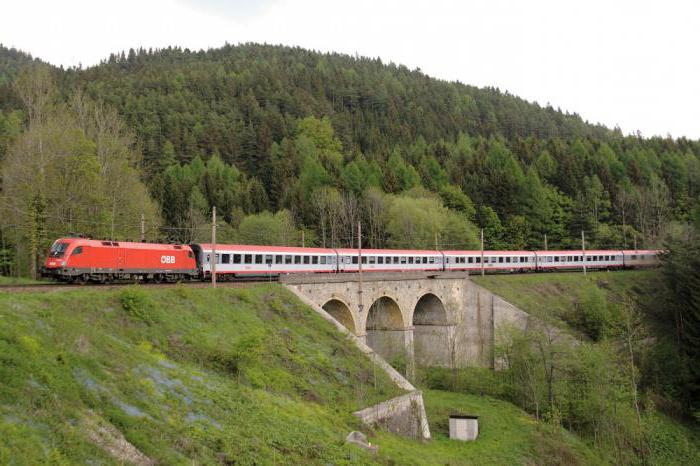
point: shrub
(595, 316)
(137, 304)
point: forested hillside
(284, 139)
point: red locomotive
(82, 260)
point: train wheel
(81, 279)
(157, 278)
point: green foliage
(415, 221)
(681, 272)
(266, 228)
(611, 389)
(136, 303)
(254, 128)
(595, 316)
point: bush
(137, 304)
(595, 316)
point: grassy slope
(556, 295)
(507, 435)
(246, 375)
(5, 280)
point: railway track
(49, 287)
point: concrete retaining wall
(403, 415)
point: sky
(632, 64)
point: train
(82, 260)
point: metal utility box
(463, 427)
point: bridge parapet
(368, 277)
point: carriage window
(297, 259)
(508, 260)
(556, 258)
(306, 259)
(470, 260)
(226, 258)
(278, 260)
(380, 259)
(372, 259)
(364, 259)
(236, 258)
(403, 260)
(248, 259)
(287, 259)
(396, 259)
(76, 251)
(268, 259)
(354, 259)
(322, 260)
(410, 260)
(258, 259)
(500, 260)
(331, 259)
(314, 259)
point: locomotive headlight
(63, 264)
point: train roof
(488, 253)
(421, 252)
(268, 249)
(579, 252)
(123, 244)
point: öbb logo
(167, 259)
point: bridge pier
(435, 345)
(395, 346)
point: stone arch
(340, 312)
(387, 333)
(433, 336)
(384, 314)
(429, 310)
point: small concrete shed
(464, 427)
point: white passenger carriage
(241, 259)
(503, 261)
(235, 260)
(575, 260)
(389, 260)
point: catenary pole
(143, 228)
(583, 248)
(213, 247)
(360, 305)
(482, 252)
(545, 241)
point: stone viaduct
(429, 319)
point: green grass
(557, 297)
(215, 376)
(201, 376)
(507, 435)
(5, 280)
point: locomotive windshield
(58, 249)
